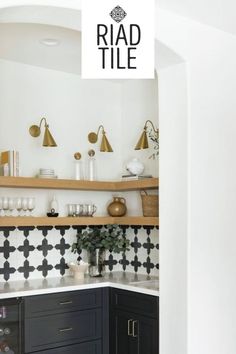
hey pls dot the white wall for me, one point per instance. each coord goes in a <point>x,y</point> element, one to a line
<point>73,107</point>
<point>173,209</point>
<point>211,57</point>
<point>140,103</point>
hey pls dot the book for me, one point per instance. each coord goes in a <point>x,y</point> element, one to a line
<point>135,177</point>
<point>16,163</point>
<point>4,169</point>
<point>10,158</point>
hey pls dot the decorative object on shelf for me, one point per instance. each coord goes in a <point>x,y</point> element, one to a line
<point>8,205</point>
<point>91,173</point>
<point>35,131</point>
<point>46,173</point>
<point>105,145</point>
<point>135,177</point>
<point>96,241</point>
<point>24,206</point>
<point>135,167</point>
<point>78,166</point>
<point>91,209</point>
<point>31,205</point>
<point>52,214</point>
<point>78,270</point>
<point>81,209</point>
<point>150,204</point>
<point>117,207</point>
<point>153,135</point>
<point>53,206</point>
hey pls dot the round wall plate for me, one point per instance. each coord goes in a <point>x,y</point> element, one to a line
<point>77,155</point>
<point>34,131</point>
<point>92,137</point>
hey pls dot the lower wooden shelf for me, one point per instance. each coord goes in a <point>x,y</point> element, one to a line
<point>73,221</point>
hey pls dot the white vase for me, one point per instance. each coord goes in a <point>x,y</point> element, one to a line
<point>135,167</point>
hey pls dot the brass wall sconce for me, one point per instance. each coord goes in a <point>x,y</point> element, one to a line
<point>35,131</point>
<point>143,140</point>
<point>105,145</point>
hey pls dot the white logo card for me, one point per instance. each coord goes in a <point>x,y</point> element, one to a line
<point>118,39</point>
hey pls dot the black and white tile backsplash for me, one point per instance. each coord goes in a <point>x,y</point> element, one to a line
<point>29,253</point>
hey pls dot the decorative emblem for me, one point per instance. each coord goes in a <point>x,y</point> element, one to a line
<point>118,14</point>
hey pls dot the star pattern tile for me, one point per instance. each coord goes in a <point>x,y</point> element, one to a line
<point>25,255</point>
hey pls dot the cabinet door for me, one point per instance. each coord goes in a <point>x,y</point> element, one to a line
<point>121,339</point>
<point>146,330</point>
<point>133,334</point>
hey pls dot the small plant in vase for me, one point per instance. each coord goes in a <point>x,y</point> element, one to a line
<point>96,241</point>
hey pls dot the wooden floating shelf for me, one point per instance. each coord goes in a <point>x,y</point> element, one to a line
<point>70,184</point>
<point>74,221</point>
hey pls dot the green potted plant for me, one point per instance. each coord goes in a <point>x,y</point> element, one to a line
<point>96,241</point>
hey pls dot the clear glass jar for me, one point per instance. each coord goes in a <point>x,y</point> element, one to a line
<point>91,166</point>
<point>79,170</point>
<point>91,169</point>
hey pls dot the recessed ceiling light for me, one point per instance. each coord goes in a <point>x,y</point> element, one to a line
<point>50,42</point>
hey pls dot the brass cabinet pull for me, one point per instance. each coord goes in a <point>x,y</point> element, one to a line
<point>65,329</point>
<point>135,326</point>
<point>129,327</point>
<point>65,302</point>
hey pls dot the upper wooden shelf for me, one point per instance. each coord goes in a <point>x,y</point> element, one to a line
<point>39,183</point>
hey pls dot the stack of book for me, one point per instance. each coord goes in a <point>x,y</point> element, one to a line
<point>9,163</point>
<point>135,177</point>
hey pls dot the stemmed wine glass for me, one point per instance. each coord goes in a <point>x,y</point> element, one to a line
<point>1,206</point>
<point>11,205</point>
<point>5,205</point>
<point>24,205</point>
<point>31,205</point>
<point>19,205</point>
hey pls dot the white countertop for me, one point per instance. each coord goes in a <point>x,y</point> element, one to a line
<point>122,280</point>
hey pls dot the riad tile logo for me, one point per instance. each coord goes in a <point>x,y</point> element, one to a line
<point>113,41</point>
<point>118,14</point>
<point>118,42</point>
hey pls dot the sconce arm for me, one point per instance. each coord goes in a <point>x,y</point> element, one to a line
<point>146,124</point>
<point>45,122</point>
<point>99,128</point>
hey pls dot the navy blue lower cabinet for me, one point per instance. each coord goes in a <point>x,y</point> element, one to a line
<point>95,321</point>
<point>70,322</point>
<point>133,329</point>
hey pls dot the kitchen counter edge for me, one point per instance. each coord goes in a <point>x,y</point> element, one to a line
<point>49,286</point>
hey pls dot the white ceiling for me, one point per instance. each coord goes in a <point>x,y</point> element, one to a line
<point>43,15</point>
<point>21,43</point>
<point>217,13</point>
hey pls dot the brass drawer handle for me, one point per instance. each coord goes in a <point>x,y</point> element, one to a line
<point>129,327</point>
<point>65,329</point>
<point>133,329</point>
<point>65,302</point>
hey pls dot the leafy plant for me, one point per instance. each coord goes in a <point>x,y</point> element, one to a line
<point>154,136</point>
<point>109,237</point>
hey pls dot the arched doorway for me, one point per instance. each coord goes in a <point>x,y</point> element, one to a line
<point>172,98</point>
